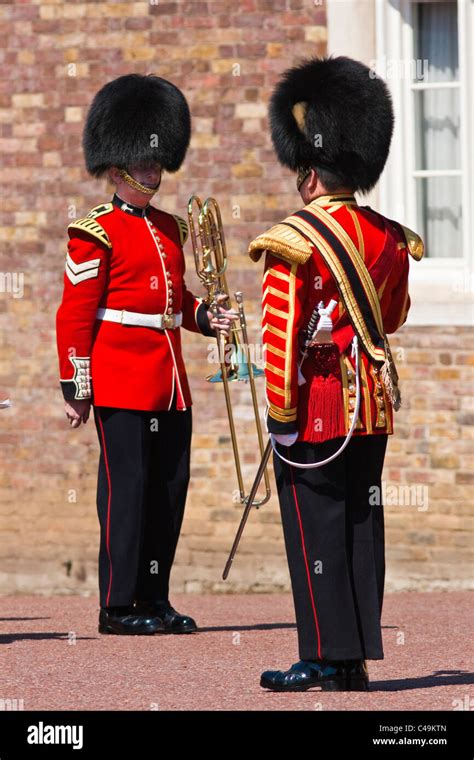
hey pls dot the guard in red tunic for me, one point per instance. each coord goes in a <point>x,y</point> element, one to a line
<point>118,333</point>
<point>335,283</point>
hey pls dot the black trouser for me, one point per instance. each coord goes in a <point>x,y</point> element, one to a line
<point>141,493</point>
<point>334,537</point>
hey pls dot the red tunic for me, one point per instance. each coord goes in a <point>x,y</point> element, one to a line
<point>322,407</point>
<point>123,261</point>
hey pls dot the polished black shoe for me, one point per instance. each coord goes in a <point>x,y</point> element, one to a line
<point>357,675</point>
<point>305,675</point>
<point>125,621</point>
<point>173,622</point>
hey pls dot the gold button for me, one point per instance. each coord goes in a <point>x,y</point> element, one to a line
<point>169,311</point>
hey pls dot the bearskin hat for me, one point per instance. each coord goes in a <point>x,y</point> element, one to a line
<point>335,114</point>
<point>137,120</point>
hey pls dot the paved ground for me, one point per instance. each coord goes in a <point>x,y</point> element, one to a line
<point>52,657</point>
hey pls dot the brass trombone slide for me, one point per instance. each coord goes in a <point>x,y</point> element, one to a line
<point>210,258</point>
<point>253,492</point>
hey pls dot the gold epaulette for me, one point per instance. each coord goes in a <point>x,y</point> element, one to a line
<point>414,242</point>
<point>182,228</point>
<point>91,226</point>
<point>103,208</point>
<point>284,242</point>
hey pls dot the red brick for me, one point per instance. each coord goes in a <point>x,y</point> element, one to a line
<point>41,457</point>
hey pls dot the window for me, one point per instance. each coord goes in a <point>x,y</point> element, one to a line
<point>436,94</point>
<point>426,50</point>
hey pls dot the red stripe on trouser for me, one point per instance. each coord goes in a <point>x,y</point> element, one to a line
<point>306,563</point>
<point>107,532</point>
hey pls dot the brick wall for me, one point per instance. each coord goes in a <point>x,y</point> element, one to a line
<point>430,538</point>
<point>226,57</point>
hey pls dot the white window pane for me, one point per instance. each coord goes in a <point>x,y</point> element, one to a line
<point>436,40</point>
<point>439,205</point>
<point>438,124</point>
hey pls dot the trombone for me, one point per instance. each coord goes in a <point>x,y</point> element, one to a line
<point>210,258</point>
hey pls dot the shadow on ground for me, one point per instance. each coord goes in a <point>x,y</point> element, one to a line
<point>439,678</point>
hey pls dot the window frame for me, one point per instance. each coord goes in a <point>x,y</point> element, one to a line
<point>442,288</point>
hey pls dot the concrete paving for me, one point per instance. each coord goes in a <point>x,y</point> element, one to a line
<point>52,657</point>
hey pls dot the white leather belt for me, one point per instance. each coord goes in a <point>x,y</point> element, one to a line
<point>158,321</point>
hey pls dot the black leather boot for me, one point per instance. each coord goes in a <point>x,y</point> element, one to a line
<point>173,622</point>
<point>357,675</point>
<point>125,621</point>
<point>303,675</point>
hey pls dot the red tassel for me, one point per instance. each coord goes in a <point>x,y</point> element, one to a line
<point>322,407</point>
